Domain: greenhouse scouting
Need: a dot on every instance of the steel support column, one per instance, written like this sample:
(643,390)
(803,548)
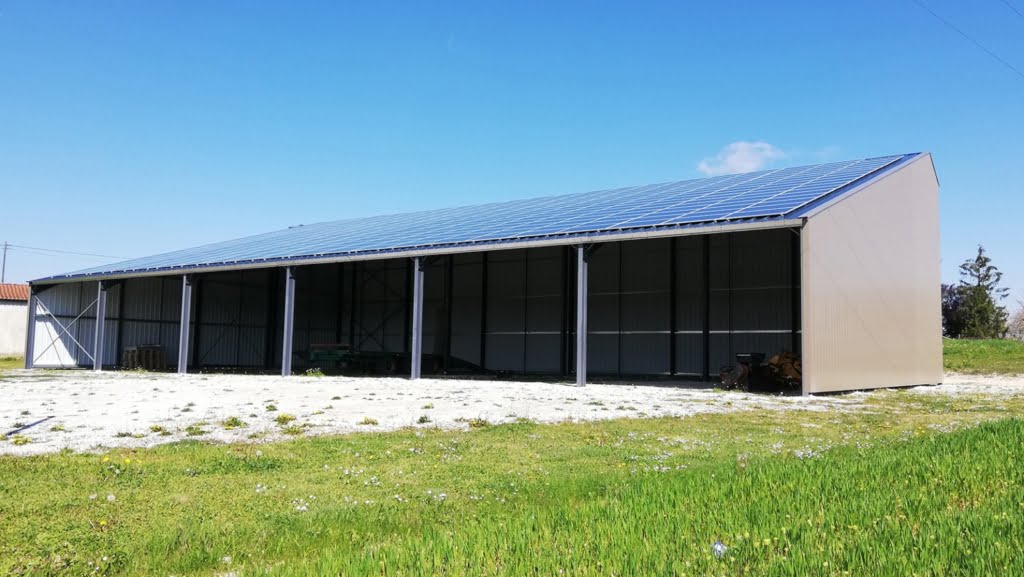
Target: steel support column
(416,348)
(186,313)
(101,313)
(30,329)
(289,321)
(581,316)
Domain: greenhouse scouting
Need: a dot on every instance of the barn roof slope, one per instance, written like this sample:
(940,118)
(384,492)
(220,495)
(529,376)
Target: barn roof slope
(767,197)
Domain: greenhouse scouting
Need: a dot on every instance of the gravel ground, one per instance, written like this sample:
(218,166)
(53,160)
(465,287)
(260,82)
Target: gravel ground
(94,411)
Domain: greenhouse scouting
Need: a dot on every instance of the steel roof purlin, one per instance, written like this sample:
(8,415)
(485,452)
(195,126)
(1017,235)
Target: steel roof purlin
(771,198)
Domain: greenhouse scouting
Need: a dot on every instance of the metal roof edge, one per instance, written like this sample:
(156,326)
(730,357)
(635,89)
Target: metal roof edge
(581,238)
(849,190)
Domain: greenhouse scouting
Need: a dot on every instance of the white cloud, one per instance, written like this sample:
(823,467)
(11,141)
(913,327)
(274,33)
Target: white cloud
(740,156)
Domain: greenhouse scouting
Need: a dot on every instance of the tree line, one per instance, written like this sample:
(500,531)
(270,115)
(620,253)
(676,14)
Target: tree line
(973,309)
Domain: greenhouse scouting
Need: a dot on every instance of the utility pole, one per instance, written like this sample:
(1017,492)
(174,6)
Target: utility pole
(3,267)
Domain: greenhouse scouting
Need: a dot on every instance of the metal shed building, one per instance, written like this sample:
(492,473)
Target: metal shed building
(838,262)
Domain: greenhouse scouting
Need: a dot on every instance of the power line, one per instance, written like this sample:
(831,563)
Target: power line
(53,250)
(25,251)
(981,46)
(1012,7)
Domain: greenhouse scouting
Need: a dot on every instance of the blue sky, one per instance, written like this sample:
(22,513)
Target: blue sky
(131,128)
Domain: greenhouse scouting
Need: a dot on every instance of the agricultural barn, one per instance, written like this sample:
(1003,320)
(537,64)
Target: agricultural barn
(837,262)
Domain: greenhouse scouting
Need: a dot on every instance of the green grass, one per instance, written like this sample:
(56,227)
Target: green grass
(284,419)
(12,363)
(998,356)
(924,484)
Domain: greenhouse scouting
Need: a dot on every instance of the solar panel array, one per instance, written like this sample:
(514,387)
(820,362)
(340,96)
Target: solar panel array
(768,194)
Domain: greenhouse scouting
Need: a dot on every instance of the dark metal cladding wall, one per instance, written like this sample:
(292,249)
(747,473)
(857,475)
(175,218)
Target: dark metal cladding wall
(435,314)
(691,308)
(676,306)
(604,284)
(151,313)
(543,304)
(506,311)
(318,306)
(752,295)
(230,326)
(522,315)
(468,313)
(645,316)
(382,305)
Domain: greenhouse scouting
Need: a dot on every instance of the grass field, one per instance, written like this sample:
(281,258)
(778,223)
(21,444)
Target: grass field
(984,356)
(926,484)
(11,363)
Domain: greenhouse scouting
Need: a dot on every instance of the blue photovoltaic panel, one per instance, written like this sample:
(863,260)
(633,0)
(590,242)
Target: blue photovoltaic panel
(737,198)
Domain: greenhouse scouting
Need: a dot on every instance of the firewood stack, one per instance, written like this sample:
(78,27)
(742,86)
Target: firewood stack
(785,367)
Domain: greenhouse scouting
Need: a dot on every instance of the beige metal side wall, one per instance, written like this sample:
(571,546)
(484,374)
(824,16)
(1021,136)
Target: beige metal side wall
(870,284)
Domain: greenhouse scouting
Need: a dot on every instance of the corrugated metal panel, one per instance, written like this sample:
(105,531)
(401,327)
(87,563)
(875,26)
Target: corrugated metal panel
(691,304)
(871,299)
(147,302)
(170,299)
(645,315)
(232,317)
(506,310)
(751,296)
(467,291)
(145,298)
(543,312)
(690,355)
(523,308)
(55,346)
(382,308)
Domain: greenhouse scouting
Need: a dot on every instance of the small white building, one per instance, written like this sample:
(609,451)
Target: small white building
(13,312)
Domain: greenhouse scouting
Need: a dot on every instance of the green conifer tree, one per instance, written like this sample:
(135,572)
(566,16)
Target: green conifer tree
(981,315)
